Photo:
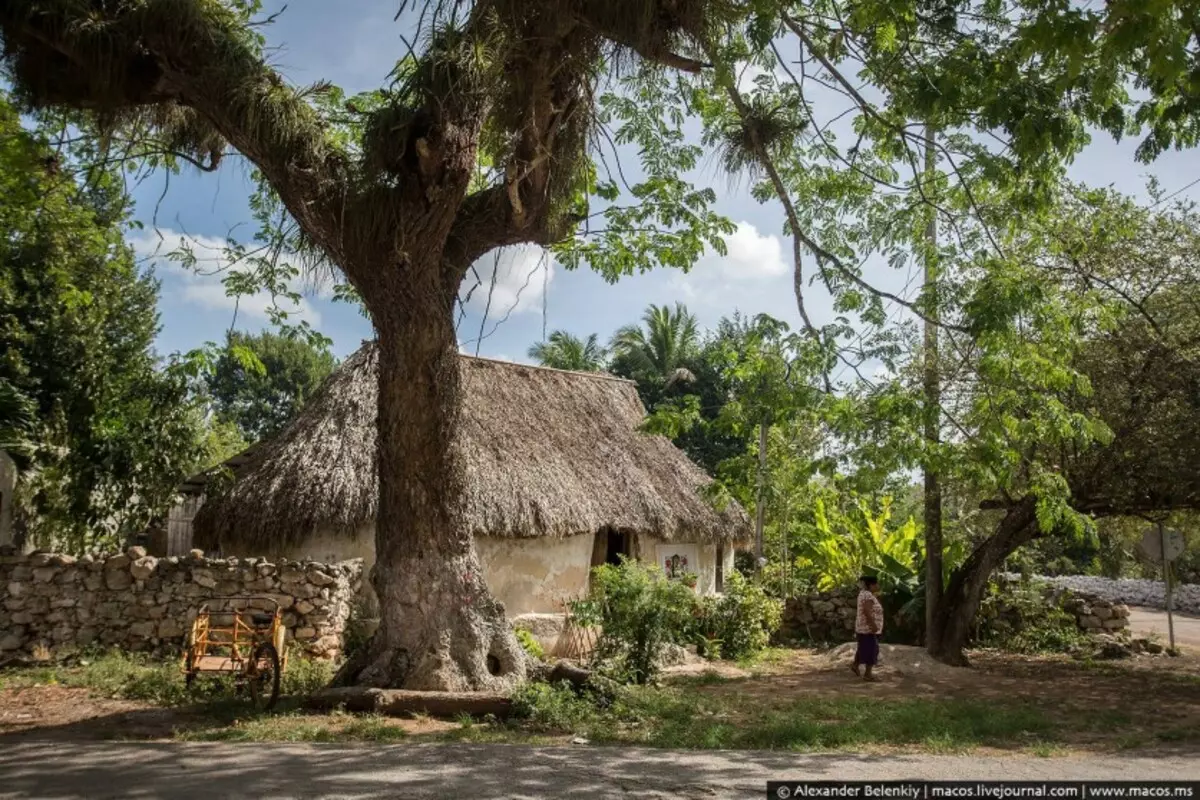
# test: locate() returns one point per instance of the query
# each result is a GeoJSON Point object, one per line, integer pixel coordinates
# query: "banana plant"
{"type": "Point", "coordinates": [845, 547]}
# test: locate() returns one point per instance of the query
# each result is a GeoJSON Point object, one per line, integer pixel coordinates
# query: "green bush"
{"type": "Point", "coordinates": [639, 612]}
{"type": "Point", "coordinates": [304, 676]}
{"type": "Point", "coordinates": [740, 622]}
{"type": "Point", "coordinates": [1020, 617]}
{"type": "Point", "coordinates": [530, 644]}
{"type": "Point", "coordinates": [552, 707]}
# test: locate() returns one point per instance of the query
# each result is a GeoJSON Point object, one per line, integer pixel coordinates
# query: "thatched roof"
{"type": "Point", "coordinates": [548, 452]}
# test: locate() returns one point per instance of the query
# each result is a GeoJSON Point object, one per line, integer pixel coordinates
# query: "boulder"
{"type": "Point", "coordinates": [45, 574]}
{"type": "Point", "coordinates": [319, 578]}
{"type": "Point", "coordinates": [205, 578]}
{"type": "Point", "coordinates": [143, 567]}
{"type": "Point", "coordinates": [117, 580]}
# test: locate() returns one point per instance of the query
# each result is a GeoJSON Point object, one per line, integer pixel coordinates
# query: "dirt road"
{"type": "Point", "coordinates": [50, 770]}
{"type": "Point", "coordinates": [1151, 620]}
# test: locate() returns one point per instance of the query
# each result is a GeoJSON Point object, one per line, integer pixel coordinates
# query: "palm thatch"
{"type": "Point", "coordinates": [548, 453]}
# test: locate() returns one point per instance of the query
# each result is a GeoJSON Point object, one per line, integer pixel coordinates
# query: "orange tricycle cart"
{"type": "Point", "coordinates": [242, 636]}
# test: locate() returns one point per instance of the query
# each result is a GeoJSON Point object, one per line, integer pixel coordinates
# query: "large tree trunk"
{"type": "Point", "coordinates": [951, 626]}
{"type": "Point", "coordinates": [440, 628]}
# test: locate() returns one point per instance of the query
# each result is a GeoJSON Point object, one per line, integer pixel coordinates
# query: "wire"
{"type": "Point", "coordinates": [1176, 192]}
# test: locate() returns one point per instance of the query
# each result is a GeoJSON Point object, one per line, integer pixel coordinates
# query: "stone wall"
{"type": "Point", "coordinates": [56, 603]}
{"type": "Point", "coordinates": [821, 617]}
{"type": "Point", "coordinates": [829, 616]}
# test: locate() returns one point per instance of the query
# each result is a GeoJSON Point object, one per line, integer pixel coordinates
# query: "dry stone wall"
{"type": "Point", "coordinates": [55, 604]}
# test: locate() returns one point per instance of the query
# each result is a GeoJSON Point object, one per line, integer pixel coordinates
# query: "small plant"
{"type": "Point", "coordinates": [741, 621]}
{"type": "Point", "coordinates": [530, 644]}
{"type": "Point", "coordinates": [304, 676]}
{"type": "Point", "coordinates": [1021, 618]}
{"type": "Point", "coordinates": [639, 612]}
{"type": "Point", "coordinates": [552, 707]}
{"type": "Point", "coordinates": [689, 579]}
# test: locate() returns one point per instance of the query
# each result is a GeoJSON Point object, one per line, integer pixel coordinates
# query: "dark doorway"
{"type": "Point", "coordinates": [610, 546]}
{"type": "Point", "coordinates": [618, 545]}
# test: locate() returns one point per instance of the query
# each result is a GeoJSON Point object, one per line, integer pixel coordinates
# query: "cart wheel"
{"type": "Point", "coordinates": [264, 680]}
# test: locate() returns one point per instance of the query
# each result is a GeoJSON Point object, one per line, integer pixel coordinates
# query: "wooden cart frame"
{"type": "Point", "coordinates": [241, 635]}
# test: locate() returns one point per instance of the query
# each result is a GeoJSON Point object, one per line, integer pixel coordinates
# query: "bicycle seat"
{"type": "Point", "coordinates": [262, 619]}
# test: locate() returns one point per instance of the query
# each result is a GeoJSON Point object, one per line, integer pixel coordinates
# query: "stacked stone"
{"type": "Point", "coordinates": [54, 603]}
{"type": "Point", "coordinates": [822, 617]}
{"type": "Point", "coordinates": [1096, 614]}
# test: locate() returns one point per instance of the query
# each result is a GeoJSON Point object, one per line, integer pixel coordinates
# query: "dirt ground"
{"type": "Point", "coordinates": [1129, 703]}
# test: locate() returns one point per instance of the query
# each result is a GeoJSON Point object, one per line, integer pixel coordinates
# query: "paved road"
{"type": "Point", "coordinates": [1152, 620]}
{"type": "Point", "coordinates": [414, 772]}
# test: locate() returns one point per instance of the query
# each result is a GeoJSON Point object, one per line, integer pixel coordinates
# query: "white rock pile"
{"type": "Point", "coordinates": [1130, 591]}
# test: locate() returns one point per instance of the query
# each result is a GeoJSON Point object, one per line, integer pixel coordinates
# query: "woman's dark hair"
{"type": "Point", "coordinates": [868, 581]}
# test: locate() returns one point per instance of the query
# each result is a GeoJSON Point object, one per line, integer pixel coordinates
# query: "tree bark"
{"type": "Point", "coordinates": [951, 627]}
{"type": "Point", "coordinates": [440, 628]}
{"type": "Point", "coordinates": [932, 389]}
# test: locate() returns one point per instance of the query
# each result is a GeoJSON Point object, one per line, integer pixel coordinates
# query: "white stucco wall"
{"type": "Point", "coordinates": [535, 575]}
{"type": "Point", "coordinates": [706, 570]}
{"type": "Point", "coordinates": [8, 485]}
{"type": "Point", "coordinates": [529, 576]}
{"type": "Point", "coordinates": [526, 575]}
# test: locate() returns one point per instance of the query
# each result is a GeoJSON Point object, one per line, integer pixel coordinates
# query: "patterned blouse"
{"type": "Point", "coordinates": [870, 614]}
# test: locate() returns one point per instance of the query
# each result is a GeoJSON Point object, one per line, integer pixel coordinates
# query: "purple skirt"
{"type": "Point", "coordinates": [868, 649]}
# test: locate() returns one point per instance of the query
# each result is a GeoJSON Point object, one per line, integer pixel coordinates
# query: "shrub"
{"type": "Point", "coordinates": [552, 707]}
{"type": "Point", "coordinates": [639, 613]}
{"type": "Point", "coordinates": [741, 621]}
{"type": "Point", "coordinates": [530, 644]}
{"type": "Point", "coordinates": [304, 676]}
{"type": "Point", "coordinates": [1020, 617]}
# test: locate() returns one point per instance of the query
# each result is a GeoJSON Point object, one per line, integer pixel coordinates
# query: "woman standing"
{"type": "Point", "coordinates": [868, 625]}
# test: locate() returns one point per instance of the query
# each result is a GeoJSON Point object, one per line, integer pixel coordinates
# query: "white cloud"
{"type": "Point", "coordinates": [751, 255]}
{"type": "Point", "coordinates": [523, 273]}
{"type": "Point", "coordinates": [754, 276]}
{"type": "Point", "coordinates": [202, 286]}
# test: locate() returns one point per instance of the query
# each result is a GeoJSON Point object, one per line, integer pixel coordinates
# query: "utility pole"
{"type": "Point", "coordinates": [762, 485]}
{"type": "Point", "coordinates": [932, 389]}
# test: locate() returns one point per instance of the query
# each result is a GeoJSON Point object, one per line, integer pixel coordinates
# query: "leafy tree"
{"type": "Point", "coordinates": [18, 422]}
{"type": "Point", "coordinates": [565, 351]}
{"type": "Point", "coordinates": [657, 351]}
{"type": "Point", "coordinates": [259, 382]}
{"type": "Point", "coordinates": [479, 142]}
{"type": "Point", "coordinates": [393, 191]}
{"type": "Point", "coordinates": [111, 432]}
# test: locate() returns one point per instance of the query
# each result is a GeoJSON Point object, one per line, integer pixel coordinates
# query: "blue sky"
{"type": "Point", "coordinates": [354, 43]}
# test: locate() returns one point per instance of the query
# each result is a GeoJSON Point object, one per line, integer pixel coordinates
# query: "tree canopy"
{"type": "Point", "coordinates": [112, 430]}
{"type": "Point", "coordinates": [260, 381]}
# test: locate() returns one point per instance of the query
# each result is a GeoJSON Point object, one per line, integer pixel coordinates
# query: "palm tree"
{"type": "Point", "coordinates": [564, 351]}
{"type": "Point", "coordinates": [659, 349]}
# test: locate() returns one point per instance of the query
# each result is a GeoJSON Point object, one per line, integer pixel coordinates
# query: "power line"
{"type": "Point", "coordinates": [1176, 192]}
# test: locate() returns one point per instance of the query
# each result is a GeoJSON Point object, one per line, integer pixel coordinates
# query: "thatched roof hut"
{"type": "Point", "coordinates": [549, 454]}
